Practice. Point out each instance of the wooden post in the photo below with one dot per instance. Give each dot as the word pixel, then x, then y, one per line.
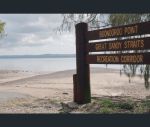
pixel 75 87
pixel 83 73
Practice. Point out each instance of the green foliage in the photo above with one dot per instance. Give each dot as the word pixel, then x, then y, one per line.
pixel 107 106
pixel 106 110
pixel 2 28
pixel 146 103
pixel 125 105
pixel 142 107
pixel 123 19
pixel 106 103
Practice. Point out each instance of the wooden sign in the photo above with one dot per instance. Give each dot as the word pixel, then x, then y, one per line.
pixel 120 45
pixel 120 31
pixel 124 58
pixel 81 80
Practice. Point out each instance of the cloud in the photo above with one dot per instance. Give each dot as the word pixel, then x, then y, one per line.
pixel 35 34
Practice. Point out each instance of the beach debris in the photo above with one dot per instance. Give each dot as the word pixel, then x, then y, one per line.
pixel 68 107
pixel 65 93
pixel 148 97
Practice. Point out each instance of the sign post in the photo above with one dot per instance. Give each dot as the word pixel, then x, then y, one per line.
pixel 81 80
pixel 82 85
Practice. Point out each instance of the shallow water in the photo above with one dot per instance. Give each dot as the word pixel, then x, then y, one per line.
pixel 43 64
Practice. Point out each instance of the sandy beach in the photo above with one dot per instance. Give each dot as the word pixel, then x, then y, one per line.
pixel 30 92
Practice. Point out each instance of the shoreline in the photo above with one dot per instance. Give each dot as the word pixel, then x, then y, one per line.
pixel 22 87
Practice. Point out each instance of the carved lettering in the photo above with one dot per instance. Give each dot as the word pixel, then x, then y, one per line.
pixel 118 31
pixel 102 46
pixel 122 59
pixel 111 32
pixel 134 44
pixel 115 45
pixel 107 59
pixel 131 30
pixel 132 59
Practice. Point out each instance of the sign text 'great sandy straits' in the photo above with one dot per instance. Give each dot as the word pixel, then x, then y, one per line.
pixel 120 45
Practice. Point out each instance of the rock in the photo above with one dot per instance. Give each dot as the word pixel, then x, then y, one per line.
pixel 65 108
pixel 72 105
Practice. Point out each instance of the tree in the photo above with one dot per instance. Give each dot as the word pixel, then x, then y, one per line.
pixel 2 28
pixel 146 76
pixel 95 20
pixel 123 19
pixel 70 20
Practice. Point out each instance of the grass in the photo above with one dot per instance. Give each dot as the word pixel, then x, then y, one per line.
pixel 125 105
pixel 107 106
pixel 143 107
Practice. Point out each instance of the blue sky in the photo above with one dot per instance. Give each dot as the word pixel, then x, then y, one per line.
pixel 35 34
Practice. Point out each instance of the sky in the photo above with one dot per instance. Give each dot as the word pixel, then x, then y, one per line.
pixel 35 34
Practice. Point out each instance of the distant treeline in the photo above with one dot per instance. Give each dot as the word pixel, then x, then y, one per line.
pixel 39 56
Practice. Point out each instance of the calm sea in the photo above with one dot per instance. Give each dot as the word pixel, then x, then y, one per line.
pixel 42 64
